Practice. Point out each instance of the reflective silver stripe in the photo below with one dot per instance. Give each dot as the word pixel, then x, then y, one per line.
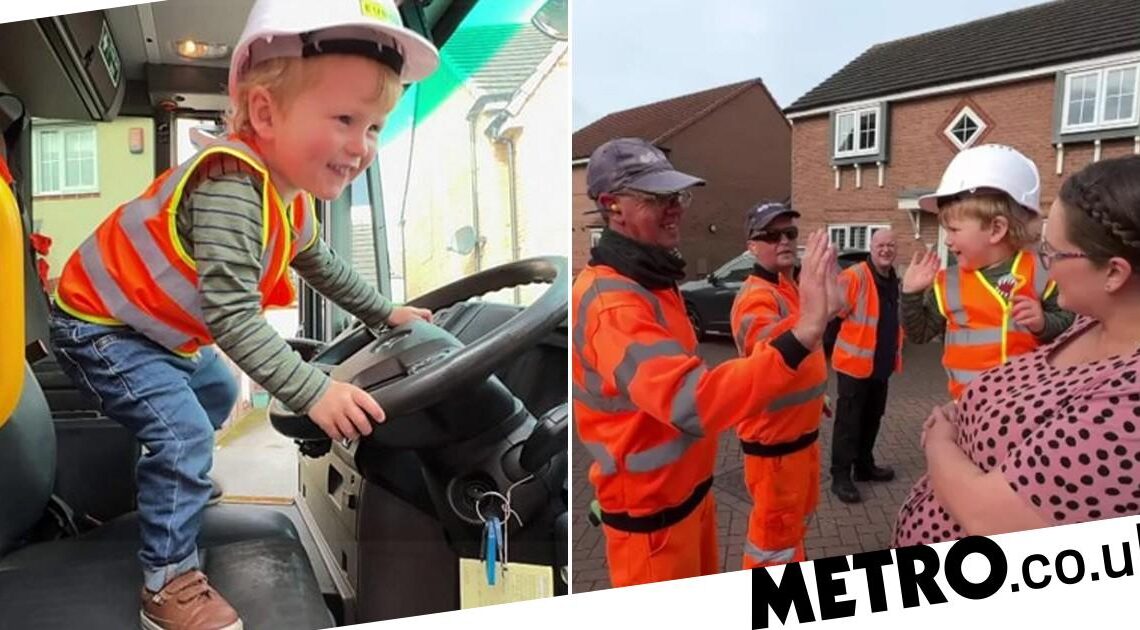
pixel 769 556
pixel 766 331
pixel 121 308
pixel 607 285
pixel 742 333
pixel 781 305
pixel 158 265
pixel 599 402
pixel 962 376
pixel 973 337
pixel 638 353
pixel 747 321
pixel 166 276
pixel 1040 277
pixel 661 455
pixel 308 230
pixel 602 456
pixel 684 405
pixel 797 398
pixel 862 353
pixel 952 297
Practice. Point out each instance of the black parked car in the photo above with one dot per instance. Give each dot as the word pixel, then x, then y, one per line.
pixel 709 300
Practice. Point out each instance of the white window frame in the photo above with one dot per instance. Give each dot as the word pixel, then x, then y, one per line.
pixel 857 117
pixel 846 229
pixel 949 130
pixel 1098 122
pixel 61 188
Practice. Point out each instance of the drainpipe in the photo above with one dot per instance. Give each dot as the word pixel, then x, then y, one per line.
pixel 473 114
pixel 496 132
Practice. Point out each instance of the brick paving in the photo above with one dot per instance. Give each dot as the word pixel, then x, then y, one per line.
pixel 836 528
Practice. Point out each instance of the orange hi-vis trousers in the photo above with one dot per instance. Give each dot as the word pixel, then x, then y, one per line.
pixel 685 549
pixel 785 491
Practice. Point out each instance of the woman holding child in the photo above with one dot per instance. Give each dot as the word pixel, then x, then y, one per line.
pixel 1050 437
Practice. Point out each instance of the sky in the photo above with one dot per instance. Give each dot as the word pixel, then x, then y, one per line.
pixel 632 52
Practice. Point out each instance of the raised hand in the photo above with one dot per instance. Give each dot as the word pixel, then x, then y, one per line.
pixel 920 274
pixel 815 310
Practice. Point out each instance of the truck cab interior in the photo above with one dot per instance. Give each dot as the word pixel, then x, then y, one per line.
pixel 379 528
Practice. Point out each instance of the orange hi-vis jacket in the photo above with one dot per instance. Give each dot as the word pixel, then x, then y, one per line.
pixel 780 441
pixel 762 311
pixel 646 407
pixel 134 269
pixel 854 353
pixel 980 331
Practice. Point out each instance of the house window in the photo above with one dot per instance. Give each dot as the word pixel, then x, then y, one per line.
pixel 595 236
pixel 1102 98
pixel 966 127
pixel 64 159
pixel 857 132
pixel 857 236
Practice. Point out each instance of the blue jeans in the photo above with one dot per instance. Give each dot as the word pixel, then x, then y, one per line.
pixel 173 405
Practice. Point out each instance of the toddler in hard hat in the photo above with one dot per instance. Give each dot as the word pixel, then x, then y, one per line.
pixel 196 258
pixel 996 301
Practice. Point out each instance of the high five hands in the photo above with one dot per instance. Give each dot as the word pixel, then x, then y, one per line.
pixel 818 284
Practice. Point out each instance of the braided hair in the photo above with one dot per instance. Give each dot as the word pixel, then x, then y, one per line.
pixel 1104 203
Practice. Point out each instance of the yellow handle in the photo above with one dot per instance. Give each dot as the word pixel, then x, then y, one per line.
pixel 12 299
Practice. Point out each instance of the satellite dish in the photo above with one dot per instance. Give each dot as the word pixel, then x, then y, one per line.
pixel 463 241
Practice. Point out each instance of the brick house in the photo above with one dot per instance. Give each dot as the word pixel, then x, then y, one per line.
pixel 1057 81
pixel 733 136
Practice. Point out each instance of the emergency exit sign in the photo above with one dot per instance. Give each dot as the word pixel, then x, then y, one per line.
pixel 110 55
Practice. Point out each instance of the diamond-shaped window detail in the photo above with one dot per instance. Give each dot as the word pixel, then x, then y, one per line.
pixel 965 128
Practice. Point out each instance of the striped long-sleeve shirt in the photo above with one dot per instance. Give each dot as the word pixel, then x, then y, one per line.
pixel 219 223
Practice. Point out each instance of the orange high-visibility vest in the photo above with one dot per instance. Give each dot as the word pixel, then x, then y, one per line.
pixel 134 270
pixel 645 406
pixel 854 353
pixel 980 331
pixel 780 443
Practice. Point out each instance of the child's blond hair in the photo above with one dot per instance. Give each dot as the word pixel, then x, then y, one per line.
pixel 1024 228
pixel 285 77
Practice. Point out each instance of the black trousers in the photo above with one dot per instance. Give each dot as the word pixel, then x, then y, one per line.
pixel 858 414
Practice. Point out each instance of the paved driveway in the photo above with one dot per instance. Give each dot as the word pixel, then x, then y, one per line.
pixel 836 528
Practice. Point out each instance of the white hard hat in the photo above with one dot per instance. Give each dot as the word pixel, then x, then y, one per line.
pixel 303 28
pixel 993 166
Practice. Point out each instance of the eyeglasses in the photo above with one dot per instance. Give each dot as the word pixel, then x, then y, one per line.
pixel 682 198
pixel 1048 254
pixel 773 236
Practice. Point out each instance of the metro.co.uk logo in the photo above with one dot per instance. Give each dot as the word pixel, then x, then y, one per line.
pixel 916 569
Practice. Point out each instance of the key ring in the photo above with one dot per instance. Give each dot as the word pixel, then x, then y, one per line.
pixel 492 493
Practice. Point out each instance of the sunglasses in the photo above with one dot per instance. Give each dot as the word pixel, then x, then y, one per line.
pixel 773 236
pixel 683 198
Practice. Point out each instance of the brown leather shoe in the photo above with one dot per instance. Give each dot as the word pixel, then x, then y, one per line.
pixel 187 602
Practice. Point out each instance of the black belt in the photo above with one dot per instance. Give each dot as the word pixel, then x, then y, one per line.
pixel 780 449
pixel 659 520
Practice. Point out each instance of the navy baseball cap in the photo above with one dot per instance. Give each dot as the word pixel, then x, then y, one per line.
pixel 760 216
pixel 635 164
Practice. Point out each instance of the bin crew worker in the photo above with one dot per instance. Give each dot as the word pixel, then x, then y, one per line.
pixel 645 405
pixel 868 350
pixel 780 441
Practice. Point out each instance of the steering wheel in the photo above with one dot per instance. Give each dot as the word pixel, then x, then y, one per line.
pixel 418 365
